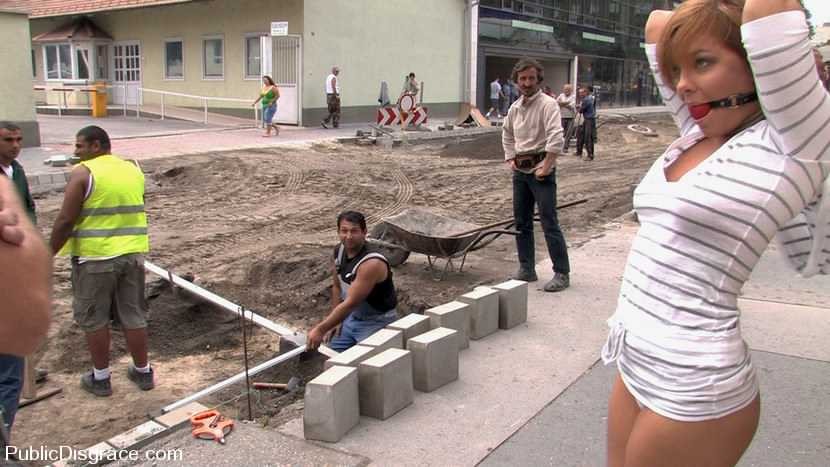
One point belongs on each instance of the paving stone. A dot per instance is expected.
(453, 315)
(434, 358)
(137, 436)
(512, 303)
(484, 311)
(386, 383)
(351, 356)
(181, 415)
(411, 325)
(331, 404)
(384, 339)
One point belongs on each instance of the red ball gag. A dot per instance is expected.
(700, 110)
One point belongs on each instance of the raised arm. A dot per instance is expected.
(795, 103)
(655, 25)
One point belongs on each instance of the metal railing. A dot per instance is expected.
(126, 107)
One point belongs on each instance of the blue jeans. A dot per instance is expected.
(354, 330)
(11, 383)
(268, 114)
(527, 191)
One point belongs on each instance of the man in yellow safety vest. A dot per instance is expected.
(102, 226)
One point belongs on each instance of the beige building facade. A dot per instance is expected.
(221, 48)
(16, 94)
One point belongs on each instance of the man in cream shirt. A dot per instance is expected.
(532, 140)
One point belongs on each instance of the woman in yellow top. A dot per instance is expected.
(269, 95)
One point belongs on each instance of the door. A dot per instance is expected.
(285, 68)
(126, 72)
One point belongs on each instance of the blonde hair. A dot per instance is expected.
(720, 19)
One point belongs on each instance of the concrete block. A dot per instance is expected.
(386, 383)
(434, 358)
(453, 315)
(411, 325)
(384, 339)
(484, 311)
(512, 303)
(331, 404)
(350, 357)
(138, 436)
(180, 416)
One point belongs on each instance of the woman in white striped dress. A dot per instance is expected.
(752, 161)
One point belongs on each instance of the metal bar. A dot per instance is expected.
(219, 301)
(205, 99)
(125, 99)
(162, 106)
(235, 379)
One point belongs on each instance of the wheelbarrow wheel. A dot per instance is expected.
(395, 255)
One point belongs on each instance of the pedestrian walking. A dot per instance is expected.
(750, 164)
(587, 132)
(332, 99)
(268, 96)
(496, 94)
(567, 108)
(532, 141)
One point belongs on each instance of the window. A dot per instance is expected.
(82, 60)
(173, 59)
(102, 62)
(58, 61)
(253, 56)
(213, 58)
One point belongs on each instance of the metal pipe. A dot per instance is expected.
(205, 111)
(219, 301)
(235, 379)
(162, 106)
(125, 99)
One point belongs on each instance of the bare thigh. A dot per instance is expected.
(622, 413)
(655, 440)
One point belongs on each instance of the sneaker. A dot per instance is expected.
(144, 381)
(323, 124)
(525, 275)
(101, 388)
(559, 282)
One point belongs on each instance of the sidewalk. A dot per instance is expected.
(536, 394)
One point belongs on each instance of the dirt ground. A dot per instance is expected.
(258, 227)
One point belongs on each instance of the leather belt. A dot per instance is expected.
(529, 161)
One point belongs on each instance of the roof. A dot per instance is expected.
(79, 30)
(15, 6)
(48, 8)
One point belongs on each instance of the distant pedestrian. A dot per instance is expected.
(332, 99)
(567, 107)
(410, 86)
(532, 141)
(821, 68)
(269, 95)
(495, 95)
(102, 226)
(586, 133)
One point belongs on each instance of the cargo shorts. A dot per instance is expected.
(109, 290)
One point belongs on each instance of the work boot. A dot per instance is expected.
(144, 381)
(98, 387)
(525, 275)
(41, 375)
(559, 282)
(323, 124)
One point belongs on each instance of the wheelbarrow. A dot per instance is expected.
(421, 231)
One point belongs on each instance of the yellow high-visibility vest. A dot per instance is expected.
(112, 220)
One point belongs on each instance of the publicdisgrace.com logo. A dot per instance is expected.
(68, 453)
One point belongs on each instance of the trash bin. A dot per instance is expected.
(99, 100)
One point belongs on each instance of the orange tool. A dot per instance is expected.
(210, 424)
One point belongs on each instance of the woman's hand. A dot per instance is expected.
(655, 25)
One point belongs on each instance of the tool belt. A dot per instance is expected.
(529, 161)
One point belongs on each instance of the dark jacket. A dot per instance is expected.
(22, 186)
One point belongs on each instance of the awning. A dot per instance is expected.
(81, 29)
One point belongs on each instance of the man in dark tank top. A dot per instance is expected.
(363, 293)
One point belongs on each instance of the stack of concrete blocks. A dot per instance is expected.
(385, 383)
(512, 303)
(434, 358)
(331, 404)
(411, 325)
(484, 311)
(453, 315)
(351, 357)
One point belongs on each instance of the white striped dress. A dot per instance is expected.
(675, 334)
